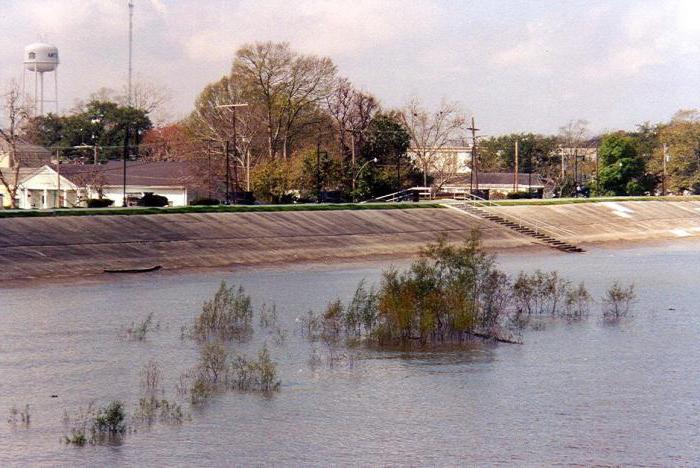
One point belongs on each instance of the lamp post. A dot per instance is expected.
(356, 175)
(233, 108)
(95, 121)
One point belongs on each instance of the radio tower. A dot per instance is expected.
(131, 29)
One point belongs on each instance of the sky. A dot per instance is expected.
(515, 65)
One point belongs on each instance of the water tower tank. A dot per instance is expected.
(41, 57)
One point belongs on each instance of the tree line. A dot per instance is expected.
(286, 126)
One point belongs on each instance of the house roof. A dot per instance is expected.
(147, 173)
(29, 155)
(25, 174)
(498, 178)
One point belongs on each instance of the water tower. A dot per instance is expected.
(41, 58)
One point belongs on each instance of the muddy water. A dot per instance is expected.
(584, 394)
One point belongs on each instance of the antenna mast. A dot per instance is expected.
(131, 28)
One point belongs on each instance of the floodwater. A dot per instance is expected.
(585, 393)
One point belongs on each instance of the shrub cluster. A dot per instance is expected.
(107, 424)
(99, 202)
(215, 373)
(452, 294)
(228, 315)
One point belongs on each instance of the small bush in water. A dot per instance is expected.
(228, 315)
(617, 301)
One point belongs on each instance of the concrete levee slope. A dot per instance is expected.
(84, 245)
(77, 246)
(613, 221)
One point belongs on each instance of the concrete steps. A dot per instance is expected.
(545, 239)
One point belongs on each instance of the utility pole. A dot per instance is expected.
(318, 168)
(515, 172)
(475, 163)
(235, 150)
(352, 152)
(209, 170)
(126, 155)
(58, 177)
(398, 172)
(228, 177)
(663, 177)
(131, 29)
(597, 186)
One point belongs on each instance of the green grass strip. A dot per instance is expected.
(211, 209)
(571, 201)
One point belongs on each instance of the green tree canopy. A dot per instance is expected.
(101, 123)
(621, 169)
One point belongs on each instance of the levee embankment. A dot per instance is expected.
(608, 222)
(77, 246)
(85, 245)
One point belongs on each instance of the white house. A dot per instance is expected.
(70, 185)
(166, 178)
(43, 187)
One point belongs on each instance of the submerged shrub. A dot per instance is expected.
(578, 302)
(268, 316)
(617, 301)
(111, 420)
(100, 425)
(228, 315)
(151, 377)
(256, 375)
(22, 416)
(151, 409)
(138, 331)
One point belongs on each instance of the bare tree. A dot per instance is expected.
(146, 96)
(211, 123)
(16, 113)
(430, 133)
(287, 85)
(573, 138)
(352, 111)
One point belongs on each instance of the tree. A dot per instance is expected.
(16, 112)
(287, 85)
(682, 139)
(430, 132)
(536, 154)
(387, 140)
(573, 144)
(209, 122)
(352, 111)
(622, 170)
(145, 96)
(99, 123)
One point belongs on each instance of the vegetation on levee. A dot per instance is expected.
(451, 295)
(213, 209)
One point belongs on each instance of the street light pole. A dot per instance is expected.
(356, 175)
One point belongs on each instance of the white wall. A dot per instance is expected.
(177, 196)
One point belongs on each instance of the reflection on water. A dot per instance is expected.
(581, 393)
